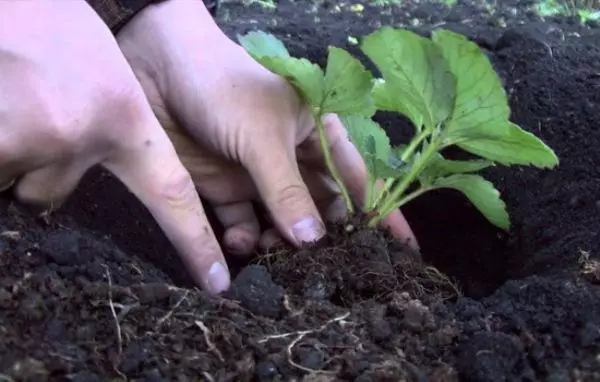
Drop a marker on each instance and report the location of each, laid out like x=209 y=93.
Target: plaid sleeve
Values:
x=116 y=13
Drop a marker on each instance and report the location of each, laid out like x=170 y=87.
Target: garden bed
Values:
x=94 y=292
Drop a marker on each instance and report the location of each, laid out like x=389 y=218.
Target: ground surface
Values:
x=359 y=307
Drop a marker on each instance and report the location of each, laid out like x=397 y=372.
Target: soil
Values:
x=94 y=292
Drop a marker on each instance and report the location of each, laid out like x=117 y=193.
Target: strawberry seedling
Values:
x=446 y=87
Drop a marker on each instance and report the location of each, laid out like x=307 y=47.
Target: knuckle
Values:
x=292 y=196
x=56 y=124
x=64 y=136
x=126 y=103
x=61 y=130
x=178 y=187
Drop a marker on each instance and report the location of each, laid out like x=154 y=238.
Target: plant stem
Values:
x=390 y=202
x=418 y=192
x=329 y=162
x=370 y=189
x=386 y=187
x=413 y=145
x=410 y=149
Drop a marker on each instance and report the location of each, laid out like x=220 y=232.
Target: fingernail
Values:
x=218 y=278
x=308 y=230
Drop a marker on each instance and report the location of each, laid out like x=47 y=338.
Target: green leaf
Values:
x=507 y=144
x=372 y=143
x=415 y=74
x=440 y=166
x=482 y=193
x=480 y=120
x=260 y=44
x=480 y=97
x=382 y=98
x=347 y=85
x=306 y=77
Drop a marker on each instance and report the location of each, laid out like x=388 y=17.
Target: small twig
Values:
x=290 y=357
x=299 y=336
x=114 y=312
x=17 y=285
x=170 y=312
x=305 y=332
x=123 y=309
x=208 y=377
x=211 y=345
x=13 y=235
x=45 y=215
x=288 y=306
x=136 y=268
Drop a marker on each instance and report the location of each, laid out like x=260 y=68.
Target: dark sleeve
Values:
x=116 y=13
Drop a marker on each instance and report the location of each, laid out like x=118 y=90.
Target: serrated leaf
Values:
x=482 y=193
x=508 y=144
x=480 y=120
x=347 y=85
x=382 y=99
x=372 y=143
x=480 y=97
x=415 y=74
x=377 y=167
x=440 y=167
x=259 y=44
x=306 y=77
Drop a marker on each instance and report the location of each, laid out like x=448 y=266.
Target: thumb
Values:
x=280 y=185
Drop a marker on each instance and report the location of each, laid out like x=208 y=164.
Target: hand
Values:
x=68 y=101
x=240 y=130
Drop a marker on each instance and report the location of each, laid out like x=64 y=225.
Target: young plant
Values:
x=343 y=88
x=585 y=10
x=444 y=85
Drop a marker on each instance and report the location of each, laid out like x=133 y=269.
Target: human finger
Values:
x=270 y=238
x=283 y=191
x=325 y=193
x=242 y=229
x=148 y=165
x=49 y=186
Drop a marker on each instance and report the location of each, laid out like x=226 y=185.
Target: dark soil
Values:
x=95 y=292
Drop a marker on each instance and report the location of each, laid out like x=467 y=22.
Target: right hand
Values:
x=69 y=101
x=242 y=131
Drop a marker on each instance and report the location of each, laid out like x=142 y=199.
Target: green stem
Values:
x=330 y=164
x=386 y=188
x=414 y=144
x=389 y=203
x=370 y=189
x=410 y=197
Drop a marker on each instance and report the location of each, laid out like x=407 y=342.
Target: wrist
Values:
x=169 y=35
x=176 y=20
x=163 y=29
x=117 y=13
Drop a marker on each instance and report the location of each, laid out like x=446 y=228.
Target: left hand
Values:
x=240 y=130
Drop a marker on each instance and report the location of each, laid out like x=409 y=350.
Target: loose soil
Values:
x=95 y=292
